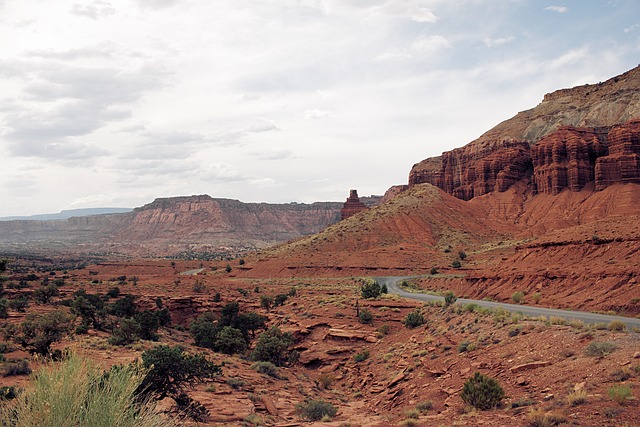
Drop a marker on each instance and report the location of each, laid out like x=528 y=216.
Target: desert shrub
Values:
x=124 y=307
x=536 y=297
x=266 y=301
x=539 y=418
x=229 y=340
x=576 y=398
x=236 y=383
x=326 y=380
x=617 y=325
x=204 y=331
x=266 y=368
x=413 y=319
x=449 y=298
x=77 y=393
x=19 y=304
x=280 y=299
x=361 y=356
x=113 y=292
x=456 y=263
x=39 y=331
x=620 y=393
x=365 y=316
x=433 y=271
x=8 y=393
x=16 y=367
x=127 y=332
x=517 y=297
x=522 y=402
x=4 y=308
x=482 y=392
x=199 y=287
x=227 y=268
x=463 y=346
x=170 y=372
x=272 y=347
x=620 y=375
x=44 y=294
x=424 y=406
x=462 y=255
x=599 y=348
x=217 y=297
x=149 y=322
x=315 y=410
x=384 y=329
x=250 y=323
x=370 y=289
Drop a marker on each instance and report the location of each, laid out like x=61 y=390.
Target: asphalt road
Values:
x=527 y=310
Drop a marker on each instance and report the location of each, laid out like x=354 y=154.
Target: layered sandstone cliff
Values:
x=574 y=137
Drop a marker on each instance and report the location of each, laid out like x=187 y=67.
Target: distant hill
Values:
x=66 y=214
x=188 y=226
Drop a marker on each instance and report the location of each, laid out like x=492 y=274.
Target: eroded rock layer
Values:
x=573 y=137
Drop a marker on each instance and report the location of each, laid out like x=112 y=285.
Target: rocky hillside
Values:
x=589 y=133
x=169 y=226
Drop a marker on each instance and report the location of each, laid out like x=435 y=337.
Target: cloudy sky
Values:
x=117 y=102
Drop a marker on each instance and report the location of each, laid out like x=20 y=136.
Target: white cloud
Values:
x=559 y=9
x=94 y=10
x=499 y=41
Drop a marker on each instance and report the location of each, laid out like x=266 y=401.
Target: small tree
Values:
x=45 y=293
x=482 y=392
x=272 y=346
x=170 y=372
x=39 y=331
x=449 y=298
x=414 y=319
x=230 y=341
x=266 y=301
x=370 y=289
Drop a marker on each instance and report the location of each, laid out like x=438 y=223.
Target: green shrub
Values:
x=280 y=299
x=77 y=393
x=4 y=308
x=482 y=392
x=620 y=393
x=44 y=294
x=456 y=263
x=365 y=316
x=39 y=331
x=370 y=289
x=536 y=297
x=361 y=356
x=384 y=329
x=16 y=367
x=272 y=347
x=599 y=348
x=266 y=301
x=315 y=410
x=577 y=398
x=517 y=297
x=266 y=368
x=170 y=372
x=449 y=298
x=414 y=319
x=127 y=332
x=433 y=271
x=229 y=340
x=19 y=304
x=617 y=325
x=424 y=406
x=8 y=393
x=462 y=255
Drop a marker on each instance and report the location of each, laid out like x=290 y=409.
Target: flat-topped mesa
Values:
x=352 y=206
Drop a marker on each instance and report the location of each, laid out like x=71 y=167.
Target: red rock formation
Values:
x=352 y=206
x=477 y=169
x=566 y=132
x=566 y=158
x=623 y=162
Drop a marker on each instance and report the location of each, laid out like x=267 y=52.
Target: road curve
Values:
x=527 y=310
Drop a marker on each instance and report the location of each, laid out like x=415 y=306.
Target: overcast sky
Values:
x=117 y=102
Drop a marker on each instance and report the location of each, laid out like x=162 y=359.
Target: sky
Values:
x=118 y=102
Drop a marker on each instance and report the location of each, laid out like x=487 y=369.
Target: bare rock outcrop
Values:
x=352 y=205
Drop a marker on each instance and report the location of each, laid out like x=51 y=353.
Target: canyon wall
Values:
x=587 y=134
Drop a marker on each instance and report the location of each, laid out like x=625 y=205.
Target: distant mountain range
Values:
x=66 y=214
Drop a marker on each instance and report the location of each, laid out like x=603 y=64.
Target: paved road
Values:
x=527 y=310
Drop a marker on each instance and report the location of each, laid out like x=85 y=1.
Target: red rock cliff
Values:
x=573 y=137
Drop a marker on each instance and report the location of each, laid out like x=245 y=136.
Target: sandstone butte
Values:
x=352 y=206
